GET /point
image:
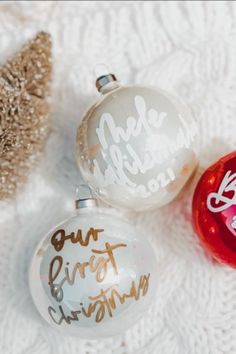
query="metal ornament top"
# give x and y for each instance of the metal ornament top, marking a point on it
(105, 80)
(87, 201)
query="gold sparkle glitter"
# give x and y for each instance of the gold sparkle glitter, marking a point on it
(24, 111)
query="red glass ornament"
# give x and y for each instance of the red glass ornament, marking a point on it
(214, 209)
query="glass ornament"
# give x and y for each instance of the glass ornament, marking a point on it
(94, 275)
(214, 209)
(136, 147)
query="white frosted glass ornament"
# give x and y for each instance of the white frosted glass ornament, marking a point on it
(94, 275)
(136, 146)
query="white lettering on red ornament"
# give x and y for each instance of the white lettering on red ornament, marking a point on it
(228, 184)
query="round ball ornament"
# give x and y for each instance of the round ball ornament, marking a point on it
(136, 146)
(94, 275)
(214, 209)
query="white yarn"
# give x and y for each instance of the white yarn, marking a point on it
(188, 48)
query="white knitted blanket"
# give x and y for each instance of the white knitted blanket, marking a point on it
(188, 48)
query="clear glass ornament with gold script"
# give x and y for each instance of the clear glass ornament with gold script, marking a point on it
(94, 275)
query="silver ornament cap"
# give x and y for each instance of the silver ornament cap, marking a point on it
(106, 83)
(85, 202)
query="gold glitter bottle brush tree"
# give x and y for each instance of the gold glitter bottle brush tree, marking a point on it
(24, 112)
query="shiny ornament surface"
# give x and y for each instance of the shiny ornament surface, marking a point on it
(94, 275)
(214, 209)
(136, 147)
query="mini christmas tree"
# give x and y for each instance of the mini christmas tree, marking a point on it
(24, 110)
